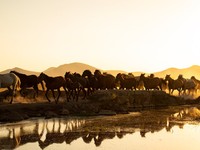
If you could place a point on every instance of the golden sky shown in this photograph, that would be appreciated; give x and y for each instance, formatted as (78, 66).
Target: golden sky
(130, 35)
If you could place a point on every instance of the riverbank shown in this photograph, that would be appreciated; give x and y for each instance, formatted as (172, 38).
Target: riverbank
(107, 102)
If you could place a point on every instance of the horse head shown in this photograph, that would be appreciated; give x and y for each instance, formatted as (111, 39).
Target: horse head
(97, 73)
(142, 76)
(41, 77)
(167, 77)
(87, 73)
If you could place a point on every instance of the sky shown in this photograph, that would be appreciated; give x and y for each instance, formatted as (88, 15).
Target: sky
(129, 35)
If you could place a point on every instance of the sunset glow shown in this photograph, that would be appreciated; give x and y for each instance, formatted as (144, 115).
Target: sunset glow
(128, 35)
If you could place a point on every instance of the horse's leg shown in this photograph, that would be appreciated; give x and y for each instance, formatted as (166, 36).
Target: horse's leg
(35, 87)
(22, 92)
(58, 95)
(172, 91)
(53, 93)
(77, 94)
(179, 92)
(46, 94)
(84, 93)
(9, 92)
(169, 91)
(12, 93)
(89, 91)
(66, 92)
(70, 94)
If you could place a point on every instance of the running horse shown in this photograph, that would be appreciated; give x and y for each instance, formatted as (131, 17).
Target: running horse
(28, 81)
(10, 81)
(53, 83)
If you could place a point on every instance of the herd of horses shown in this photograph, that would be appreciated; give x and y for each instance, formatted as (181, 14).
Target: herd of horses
(75, 83)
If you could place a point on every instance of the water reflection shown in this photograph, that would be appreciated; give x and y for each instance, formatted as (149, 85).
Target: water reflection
(64, 131)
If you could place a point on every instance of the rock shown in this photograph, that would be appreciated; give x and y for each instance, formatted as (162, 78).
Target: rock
(107, 112)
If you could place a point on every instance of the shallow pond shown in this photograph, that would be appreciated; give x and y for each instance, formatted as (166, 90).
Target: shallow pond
(174, 128)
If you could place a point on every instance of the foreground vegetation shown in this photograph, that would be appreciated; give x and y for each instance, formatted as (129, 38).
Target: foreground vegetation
(102, 102)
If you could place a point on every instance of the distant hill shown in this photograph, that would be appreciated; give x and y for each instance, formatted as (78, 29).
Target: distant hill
(72, 67)
(186, 72)
(20, 71)
(80, 67)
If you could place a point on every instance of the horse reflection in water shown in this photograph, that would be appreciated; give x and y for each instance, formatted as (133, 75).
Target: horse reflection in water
(44, 132)
(48, 132)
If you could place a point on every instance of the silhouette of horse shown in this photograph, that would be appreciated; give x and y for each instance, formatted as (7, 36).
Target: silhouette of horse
(85, 86)
(93, 81)
(188, 84)
(151, 82)
(10, 80)
(105, 80)
(53, 83)
(174, 84)
(73, 86)
(197, 82)
(28, 81)
(126, 81)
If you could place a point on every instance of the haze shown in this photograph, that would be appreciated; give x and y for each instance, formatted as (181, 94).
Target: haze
(130, 35)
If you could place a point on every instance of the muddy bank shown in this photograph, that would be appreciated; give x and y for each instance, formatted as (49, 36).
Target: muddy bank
(108, 102)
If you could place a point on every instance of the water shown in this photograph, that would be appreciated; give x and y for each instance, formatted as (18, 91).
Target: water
(155, 129)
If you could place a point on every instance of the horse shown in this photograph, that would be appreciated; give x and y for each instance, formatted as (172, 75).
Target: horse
(83, 81)
(28, 81)
(105, 80)
(126, 81)
(53, 83)
(73, 86)
(174, 84)
(188, 84)
(93, 81)
(197, 82)
(9, 80)
(151, 82)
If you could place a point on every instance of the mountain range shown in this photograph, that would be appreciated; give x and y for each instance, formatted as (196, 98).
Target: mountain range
(80, 67)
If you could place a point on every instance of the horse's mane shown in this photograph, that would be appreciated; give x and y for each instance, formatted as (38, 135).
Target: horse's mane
(19, 74)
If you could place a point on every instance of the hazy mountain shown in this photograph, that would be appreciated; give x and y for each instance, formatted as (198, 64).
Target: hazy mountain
(186, 72)
(80, 67)
(72, 67)
(27, 72)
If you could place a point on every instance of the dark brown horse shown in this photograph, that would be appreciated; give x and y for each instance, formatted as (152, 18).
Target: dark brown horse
(53, 83)
(197, 82)
(188, 85)
(28, 81)
(174, 84)
(73, 86)
(151, 82)
(105, 80)
(93, 81)
(126, 81)
(83, 83)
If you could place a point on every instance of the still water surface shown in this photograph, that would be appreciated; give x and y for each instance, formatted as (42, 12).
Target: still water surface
(156, 130)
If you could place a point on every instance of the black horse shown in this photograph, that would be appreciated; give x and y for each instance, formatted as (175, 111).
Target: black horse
(28, 81)
(53, 83)
(93, 81)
